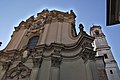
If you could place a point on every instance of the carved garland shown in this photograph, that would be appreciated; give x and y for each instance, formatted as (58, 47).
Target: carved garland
(20, 72)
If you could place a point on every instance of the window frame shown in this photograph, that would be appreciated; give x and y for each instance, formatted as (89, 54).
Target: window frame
(32, 42)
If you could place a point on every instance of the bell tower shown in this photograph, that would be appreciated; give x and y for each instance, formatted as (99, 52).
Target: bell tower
(103, 49)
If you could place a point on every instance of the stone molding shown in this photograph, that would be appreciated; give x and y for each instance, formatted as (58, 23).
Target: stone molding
(102, 46)
(83, 42)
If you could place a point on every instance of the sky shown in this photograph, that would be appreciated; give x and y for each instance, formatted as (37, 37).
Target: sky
(88, 12)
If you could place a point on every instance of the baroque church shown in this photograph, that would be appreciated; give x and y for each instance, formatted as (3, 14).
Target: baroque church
(47, 47)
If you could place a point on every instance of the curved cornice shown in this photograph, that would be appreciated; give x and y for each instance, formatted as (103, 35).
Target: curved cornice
(82, 37)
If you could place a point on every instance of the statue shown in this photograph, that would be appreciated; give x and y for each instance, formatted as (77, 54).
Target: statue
(81, 27)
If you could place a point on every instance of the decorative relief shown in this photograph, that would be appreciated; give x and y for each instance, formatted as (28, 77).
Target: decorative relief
(25, 55)
(37, 58)
(17, 56)
(60, 18)
(46, 17)
(38, 24)
(88, 55)
(20, 72)
(35, 29)
(86, 43)
(36, 53)
(6, 65)
(56, 60)
(37, 61)
(20, 56)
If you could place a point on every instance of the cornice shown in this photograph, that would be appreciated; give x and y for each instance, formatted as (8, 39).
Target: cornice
(82, 38)
(94, 26)
(46, 17)
(84, 41)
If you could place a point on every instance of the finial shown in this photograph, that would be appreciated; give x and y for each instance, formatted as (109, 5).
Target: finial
(0, 43)
(43, 10)
(81, 27)
(71, 12)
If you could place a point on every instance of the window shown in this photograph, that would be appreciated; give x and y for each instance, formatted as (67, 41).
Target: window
(97, 32)
(111, 72)
(105, 55)
(32, 42)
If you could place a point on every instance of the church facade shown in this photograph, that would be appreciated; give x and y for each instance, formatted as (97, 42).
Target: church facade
(47, 47)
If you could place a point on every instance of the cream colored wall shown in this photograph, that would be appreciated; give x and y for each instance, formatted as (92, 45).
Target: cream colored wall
(73, 70)
(44, 71)
(15, 40)
(52, 33)
(57, 32)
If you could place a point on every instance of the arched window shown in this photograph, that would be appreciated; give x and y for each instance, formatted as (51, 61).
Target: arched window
(32, 42)
(105, 55)
(111, 72)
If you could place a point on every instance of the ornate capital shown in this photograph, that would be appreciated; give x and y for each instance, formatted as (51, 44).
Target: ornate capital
(56, 58)
(37, 57)
(88, 55)
(37, 61)
(37, 53)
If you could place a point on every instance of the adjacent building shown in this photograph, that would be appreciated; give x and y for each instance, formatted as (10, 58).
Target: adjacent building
(113, 12)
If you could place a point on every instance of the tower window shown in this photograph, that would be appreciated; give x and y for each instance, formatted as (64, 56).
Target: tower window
(105, 55)
(32, 42)
(111, 72)
(97, 32)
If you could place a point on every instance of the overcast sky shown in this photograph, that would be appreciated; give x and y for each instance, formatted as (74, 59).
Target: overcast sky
(89, 12)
